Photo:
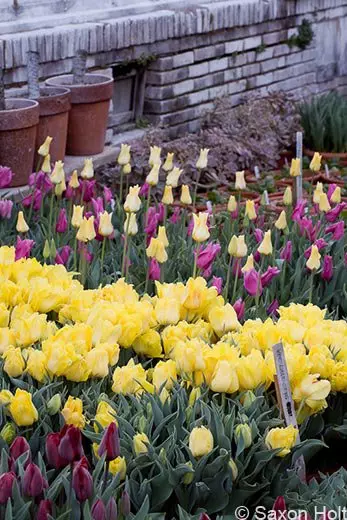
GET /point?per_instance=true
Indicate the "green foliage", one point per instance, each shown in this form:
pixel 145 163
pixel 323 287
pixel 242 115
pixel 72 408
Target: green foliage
pixel 304 36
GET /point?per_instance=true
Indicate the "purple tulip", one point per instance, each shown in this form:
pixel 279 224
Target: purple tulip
pixel 337 230
pixel 273 308
pixel 287 251
pixel 70 446
pixel 331 189
pixel 154 269
pixel 18 447
pixel 82 481
pixel 299 210
pixel 268 276
pixel 239 307
pixel 63 255
pixel 258 234
pixel 6 486
pixel 98 205
pixel 109 444
pixel 125 504
pixel 279 505
pixel 252 282
pixel 88 189
pixel 33 481
pixel 98 510
pixel 176 215
pixel 334 213
pixel 6 175
pixel 34 199
pixel 256 256
pixel 151 222
pixel 207 256
pixel 6 208
pixel 190 226
pixel 144 190
pixel 320 243
pixel 23 248
pixel 62 223
pixel 217 282
pixel 236 268
pixel 41 181
pixel 45 510
pixel 87 255
pixel 108 197
pixel 52 451
pixel 161 212
pixel 328 268
pixel 111 509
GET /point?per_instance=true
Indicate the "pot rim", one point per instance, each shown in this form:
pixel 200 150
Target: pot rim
pixel 19 117
pixel 59 91
pixel 87 93
pixel 31 103
pixel 57 81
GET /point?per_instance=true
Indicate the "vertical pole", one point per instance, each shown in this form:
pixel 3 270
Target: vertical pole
pixel 33 74
pixel 299 156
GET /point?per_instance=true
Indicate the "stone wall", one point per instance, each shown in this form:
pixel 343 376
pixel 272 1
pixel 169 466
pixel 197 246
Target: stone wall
pixel 200 52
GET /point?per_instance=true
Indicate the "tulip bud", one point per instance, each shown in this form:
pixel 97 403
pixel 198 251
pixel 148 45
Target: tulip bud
pixel 168 164
pixel 203 158
pixel 82 481
pixel 6 486
pixel 142 423
pixel 234 469
pixel 201 441
pixel 46 250
pixel 18 447
pixel 162 456
pixel 243 431
pixel 52 451
pixel 53 249
pixel 111 510
pixel 22 226
pixel 189 476
pixel 45 146
pixel 33 481
pixel 8 433
pixel 45 510
pixel 125 504
pixel 70 447
pixel 204 516
pixel 248 399
pixel 110 442
pixel 54 404
pixel 46 164
pixel 98 510
pixel 88 169
pixel 279 504
pixel 140 442
pixel 194 395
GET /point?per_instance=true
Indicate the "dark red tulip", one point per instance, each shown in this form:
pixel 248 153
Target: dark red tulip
pixel 204 516
pixel 18 447
pixel 111 509
pixel 279 504
pixel 70 447
pixel 45 510
pixel 6 486
pixel 109 444
pixel 82 481
pixel 125 504
pixel 52 451
pixel 33 481
pixel 98 510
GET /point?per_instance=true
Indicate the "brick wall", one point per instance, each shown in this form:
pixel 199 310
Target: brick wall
pixel 203 51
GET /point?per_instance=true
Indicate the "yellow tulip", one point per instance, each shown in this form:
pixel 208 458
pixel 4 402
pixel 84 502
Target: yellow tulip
pixel 223 319
pixel 130 379
pixel 88 169
pixel 249 265
pixel 295 168
pixel 173 177
pixel 194 395
pixel 314 260
pixel 46 164
pixel 7 255
pixel 281 222
pixel 86 231
pixel 153 176
pixel 185 195
pixel 22 409
pixel 288 196
pixel 132 202
pixel 14 363
pixel 97 362
pixel 74 182
pixel 58 174
pixel 77 216
pixel 127 169
pixel 200 229
pixel 234 470
pixel 237 246
pixel 202 159
pixel 7 339
pixel 284 438
pixel 118 466
pixel 37 364
pixel 105 224
pixel 44 148
pixel 168 164
pixel 105 415
pixel 252 370
pixel 162 236
pixel 167 198
pixel 315 164
pixel 250 211
pixel 324 203
pixel 124 155
pixel 232 204
pixel 200 441
pixel 156 249
pixel 336 195
pixel 154 156
pixel 265 247
pixel 4 315
pixel 60 188
pixel 167 311
pixel 310 389
pixel 140 443
pixel 243 431
pixel 73 412
pixel 318 191
pixel 22 226
pixel 224 378
pixel 5 397
pixel 130 224
pixel 240 183
pixel 148 344
pixel 164 372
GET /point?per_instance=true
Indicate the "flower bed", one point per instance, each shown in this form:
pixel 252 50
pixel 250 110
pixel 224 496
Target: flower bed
pixel 139 376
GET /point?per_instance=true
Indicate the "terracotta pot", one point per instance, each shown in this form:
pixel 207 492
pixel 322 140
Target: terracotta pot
pixel 88 116
pixel 329 156
pixel 54 105
pixel 18 125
